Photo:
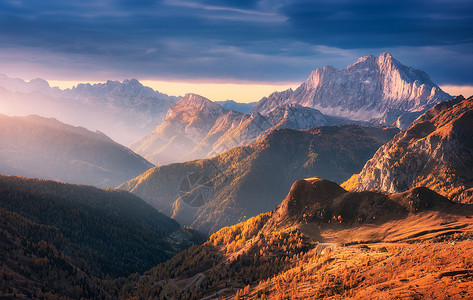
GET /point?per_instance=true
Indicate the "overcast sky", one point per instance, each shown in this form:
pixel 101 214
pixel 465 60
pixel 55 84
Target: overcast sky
pixel 267 41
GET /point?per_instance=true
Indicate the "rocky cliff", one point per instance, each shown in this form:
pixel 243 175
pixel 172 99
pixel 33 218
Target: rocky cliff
pixel 436 151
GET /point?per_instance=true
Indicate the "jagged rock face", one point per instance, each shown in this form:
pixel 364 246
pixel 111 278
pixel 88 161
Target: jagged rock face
pixel 436 151
pixel 257 126
pixel 185 125
pixel 127 94
pixel 362 91
pixel 142 105
pixel 296 116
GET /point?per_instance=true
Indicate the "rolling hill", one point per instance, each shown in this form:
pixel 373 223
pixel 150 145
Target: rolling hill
pixel 245 181
pixel 33 146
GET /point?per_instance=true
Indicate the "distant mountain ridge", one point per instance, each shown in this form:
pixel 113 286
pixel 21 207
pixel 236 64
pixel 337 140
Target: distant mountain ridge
pixel 372 90
pixel 34 146
pixel 365 90
pixel 146 105
pixel 124 110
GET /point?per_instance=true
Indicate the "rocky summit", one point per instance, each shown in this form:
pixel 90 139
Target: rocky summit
pixel 365 90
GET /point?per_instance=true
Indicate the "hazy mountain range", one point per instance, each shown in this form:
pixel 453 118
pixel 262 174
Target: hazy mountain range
pixel 34 146
pixel 376 90
pixel 196 127
pixel 125 111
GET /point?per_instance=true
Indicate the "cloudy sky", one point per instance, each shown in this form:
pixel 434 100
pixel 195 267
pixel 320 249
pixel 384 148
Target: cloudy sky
pixel 235 45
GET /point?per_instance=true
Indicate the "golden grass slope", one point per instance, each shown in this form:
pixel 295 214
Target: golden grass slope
pixel 413 245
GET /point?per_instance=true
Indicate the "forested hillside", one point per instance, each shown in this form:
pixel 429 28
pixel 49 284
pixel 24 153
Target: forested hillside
pixel 109 233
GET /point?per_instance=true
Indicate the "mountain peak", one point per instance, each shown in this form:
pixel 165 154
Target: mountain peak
pixel 310 196
pixel 386 59
pixel 132 81
pixel 362 91
pixel 196 102
pixel 369 58
pixel 194 107
pixel 194 98
pixel 385 56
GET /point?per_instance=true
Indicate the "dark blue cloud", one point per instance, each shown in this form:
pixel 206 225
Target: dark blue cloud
pixel 355 24
pixel 242 4
pixel 230 39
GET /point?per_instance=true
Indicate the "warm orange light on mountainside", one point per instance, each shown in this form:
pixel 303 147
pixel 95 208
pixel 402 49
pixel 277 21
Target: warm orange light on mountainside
pixel 325 242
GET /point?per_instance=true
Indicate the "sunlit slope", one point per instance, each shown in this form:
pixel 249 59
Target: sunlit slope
pixel 325 242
